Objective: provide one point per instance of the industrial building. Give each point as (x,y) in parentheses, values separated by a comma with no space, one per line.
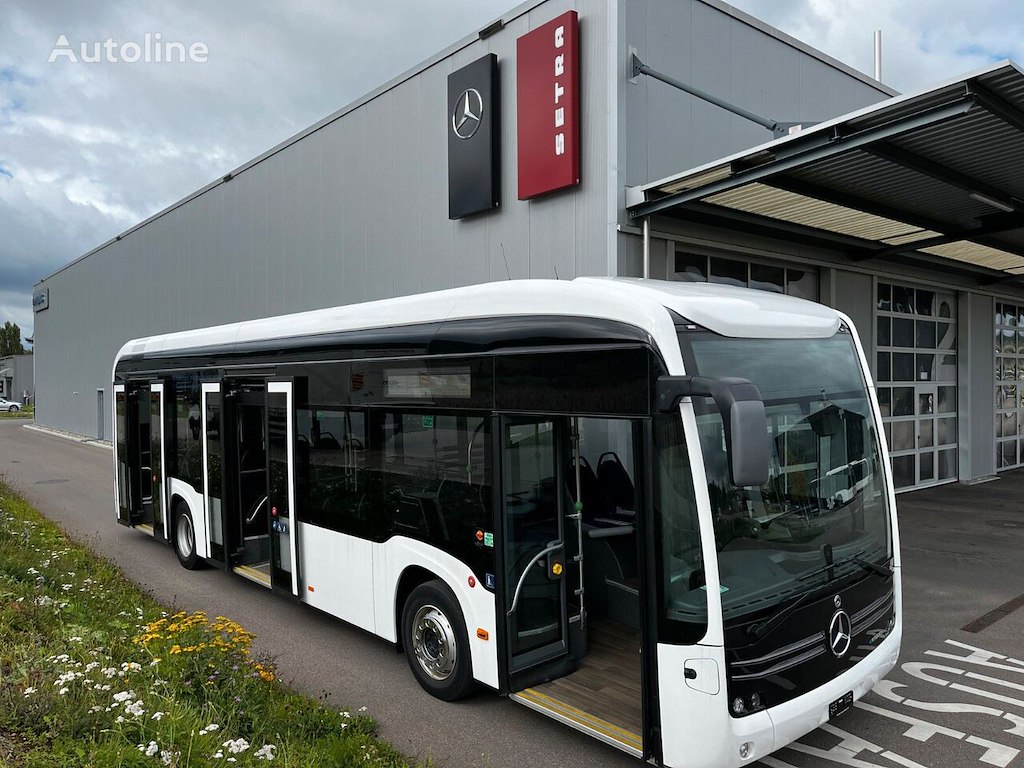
(553,144)
(16,378)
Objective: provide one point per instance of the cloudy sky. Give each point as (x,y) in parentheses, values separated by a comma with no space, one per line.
(88,149)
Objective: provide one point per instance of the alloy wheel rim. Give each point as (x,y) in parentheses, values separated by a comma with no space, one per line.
(185,536)
(433,643)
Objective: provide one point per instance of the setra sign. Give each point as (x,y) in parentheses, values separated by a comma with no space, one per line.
(548,106)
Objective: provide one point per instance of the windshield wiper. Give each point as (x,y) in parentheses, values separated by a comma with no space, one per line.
(881,570)
(759,630)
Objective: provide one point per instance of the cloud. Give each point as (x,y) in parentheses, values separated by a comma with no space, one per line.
(86,150)
(923,41)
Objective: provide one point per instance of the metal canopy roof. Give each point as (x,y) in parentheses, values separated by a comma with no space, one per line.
(936,176)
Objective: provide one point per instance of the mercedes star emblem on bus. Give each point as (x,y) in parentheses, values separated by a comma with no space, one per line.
(839,634)
(468,112)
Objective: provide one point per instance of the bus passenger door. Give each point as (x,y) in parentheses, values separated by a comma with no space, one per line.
(281,485)
(534,578)
(213,462)
(157,503)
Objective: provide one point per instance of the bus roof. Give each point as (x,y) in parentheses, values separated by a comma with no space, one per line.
(727,310)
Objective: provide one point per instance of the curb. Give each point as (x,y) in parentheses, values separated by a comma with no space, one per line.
(70,436)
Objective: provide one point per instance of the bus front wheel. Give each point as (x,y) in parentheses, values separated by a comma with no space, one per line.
(435,640)
(185,538)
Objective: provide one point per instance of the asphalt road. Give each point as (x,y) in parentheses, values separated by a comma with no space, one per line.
(963,557)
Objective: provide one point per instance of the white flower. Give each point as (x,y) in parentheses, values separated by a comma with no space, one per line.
(218,755)
(32,571)
(166,756)
(108,672)
(119,719)
(75,639)
(209,729)
(134,708)
(152,749)
(124,695)
(157,716)
(96,708)
(91,666)
(232,760)
(62,691)
(236,746)
(362,709)
(29,691)
(266,752)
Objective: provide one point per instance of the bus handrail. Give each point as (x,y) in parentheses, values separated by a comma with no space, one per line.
(526,571)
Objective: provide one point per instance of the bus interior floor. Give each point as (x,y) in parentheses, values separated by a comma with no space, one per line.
(607,684)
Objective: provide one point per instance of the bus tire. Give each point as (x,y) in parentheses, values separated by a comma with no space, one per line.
(436,643)
(184,538)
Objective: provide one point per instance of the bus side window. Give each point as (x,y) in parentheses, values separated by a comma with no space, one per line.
(332,470)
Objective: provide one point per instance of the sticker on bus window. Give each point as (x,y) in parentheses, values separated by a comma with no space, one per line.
(489,580)
(428,421)
(488,539)
(721,587)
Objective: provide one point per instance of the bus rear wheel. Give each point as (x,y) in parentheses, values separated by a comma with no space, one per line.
(184,538)
(435,640)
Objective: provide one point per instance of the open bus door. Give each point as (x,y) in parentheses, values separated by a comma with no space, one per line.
(259,483)
(134,408)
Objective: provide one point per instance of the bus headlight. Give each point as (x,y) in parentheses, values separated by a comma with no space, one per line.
(738,707)
(755,701)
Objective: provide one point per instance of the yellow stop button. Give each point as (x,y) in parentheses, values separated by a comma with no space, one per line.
(557,569)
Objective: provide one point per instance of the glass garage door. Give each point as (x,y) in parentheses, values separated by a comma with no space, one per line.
(915,370)
(1009,343)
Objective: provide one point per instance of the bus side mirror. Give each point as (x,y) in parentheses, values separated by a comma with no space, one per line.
(742,408)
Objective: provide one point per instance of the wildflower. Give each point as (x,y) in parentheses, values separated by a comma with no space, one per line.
(217,755)
(124,696)
(75,639)
(157,716)
(152,749)
(209,729)
(91,666)
(62,691)
(266,752)
(29,691)
(236,746)
(166,756)
(119,719)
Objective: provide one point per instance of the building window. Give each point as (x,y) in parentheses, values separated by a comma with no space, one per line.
(1009,385)
(915,369)
(695,268)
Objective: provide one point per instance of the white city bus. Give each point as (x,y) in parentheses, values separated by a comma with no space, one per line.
(661,513)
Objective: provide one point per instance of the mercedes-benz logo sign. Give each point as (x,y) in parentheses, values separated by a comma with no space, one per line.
(468,112)
(839,634)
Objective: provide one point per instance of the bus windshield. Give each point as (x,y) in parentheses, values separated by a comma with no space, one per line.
(823,514)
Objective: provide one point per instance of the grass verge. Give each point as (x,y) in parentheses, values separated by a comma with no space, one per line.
(95,673)
(26,412)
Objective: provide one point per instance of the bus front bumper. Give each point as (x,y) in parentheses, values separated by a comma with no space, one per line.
(698,732)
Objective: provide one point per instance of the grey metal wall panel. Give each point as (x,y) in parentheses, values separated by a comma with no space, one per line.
(352,211)
(976,390)
(701,44)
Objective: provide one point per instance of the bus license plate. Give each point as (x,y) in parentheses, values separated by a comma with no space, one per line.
(840,705)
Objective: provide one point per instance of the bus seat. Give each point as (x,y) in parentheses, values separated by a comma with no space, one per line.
(615,481)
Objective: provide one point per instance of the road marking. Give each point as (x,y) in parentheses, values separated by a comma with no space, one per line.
(980,657)
(887,690)
(849,746)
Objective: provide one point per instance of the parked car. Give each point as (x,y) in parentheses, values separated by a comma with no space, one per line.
(9,405)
